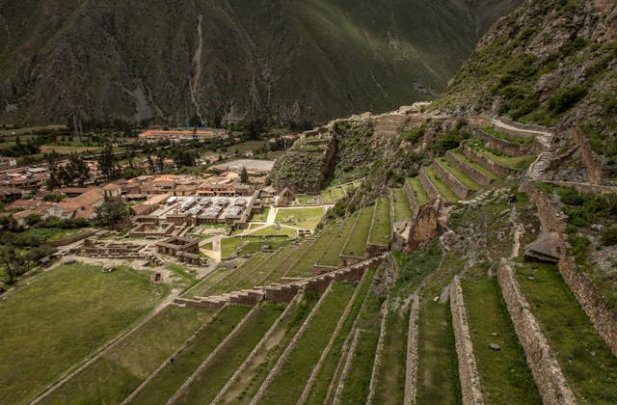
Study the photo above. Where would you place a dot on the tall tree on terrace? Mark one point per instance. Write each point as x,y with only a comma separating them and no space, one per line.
54,180
106,162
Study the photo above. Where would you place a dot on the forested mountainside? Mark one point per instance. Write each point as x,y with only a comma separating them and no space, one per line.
553,63
211,60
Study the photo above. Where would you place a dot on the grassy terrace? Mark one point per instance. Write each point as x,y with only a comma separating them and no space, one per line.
589,366
391,374
208,384
402,209
62,315
306,218
172,376
462,177
250,244
303,266
276,231
330,256
521,140
327,197
418,190
381,229
115,375
256,370
445,191
288,385
284,266
438,381
504,374
319,390
515,162
309,199
356,245
465,160
357,384
222,279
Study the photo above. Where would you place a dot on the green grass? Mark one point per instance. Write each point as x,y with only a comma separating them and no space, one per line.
319,391
462,177
112,377
520,140
172,376
381,230
414,267
288,385
391,374
263,217
445,191
331,256
589,366
306,218
285,267
303,267
338,193
462,158
276,231
248,244
208,384
50,234
182,275
438,381
357,384
327,197
356,246
514,162
308,199
504,374
418,190
59,317
402,209
248,382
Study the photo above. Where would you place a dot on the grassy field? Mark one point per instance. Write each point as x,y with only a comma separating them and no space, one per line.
51,323
172,376
391,374
263,217
445,191
208,384
50,234
356,246
418,190
462,177
381,230
305,218
504,374
288,385
331,256
115,375
521,140
357,384
589,366
285,267
309,199
247,244
402,209
276,231
438,381
319,390
514,162
462,158
304,266
256,370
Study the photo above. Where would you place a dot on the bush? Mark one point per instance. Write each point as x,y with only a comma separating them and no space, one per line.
609,236
566,98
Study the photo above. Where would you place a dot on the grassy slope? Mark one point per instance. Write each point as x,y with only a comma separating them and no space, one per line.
445,191
458,155
112,377
289,383
356,245
402,210
172,376
466,180
504,374
304,266
589,366
330,256
205,388
62,315
418,190
382,228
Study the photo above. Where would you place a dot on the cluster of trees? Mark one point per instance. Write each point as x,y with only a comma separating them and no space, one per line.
22,148
113,214
17,262
75,171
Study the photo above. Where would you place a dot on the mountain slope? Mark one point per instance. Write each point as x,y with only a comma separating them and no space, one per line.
203,59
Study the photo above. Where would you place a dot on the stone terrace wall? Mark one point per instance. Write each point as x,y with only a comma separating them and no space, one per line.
493,166
70,240
411,375
455,184
413,203
603,318
428,185
468,371
470,171
506,147
541,360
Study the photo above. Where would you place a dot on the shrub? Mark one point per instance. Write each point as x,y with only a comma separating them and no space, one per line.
609,236
566,98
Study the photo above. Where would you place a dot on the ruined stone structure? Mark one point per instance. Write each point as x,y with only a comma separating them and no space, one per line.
113,250
425,225
506,147
492,165
411,374
186,250
540,357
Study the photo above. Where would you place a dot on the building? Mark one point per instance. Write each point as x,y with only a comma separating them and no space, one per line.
184,249
155,135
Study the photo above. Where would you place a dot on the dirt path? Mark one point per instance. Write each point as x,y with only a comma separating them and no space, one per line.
106,347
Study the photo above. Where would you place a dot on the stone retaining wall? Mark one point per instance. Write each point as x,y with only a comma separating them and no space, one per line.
524,127
595,171
411,375
413,203
603,318
461,190
70,240
540,357
475,174
471,388
428,185
491,165
505,147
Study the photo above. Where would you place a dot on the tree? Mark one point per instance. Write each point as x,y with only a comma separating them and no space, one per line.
112,213
244,175
12,262
106,162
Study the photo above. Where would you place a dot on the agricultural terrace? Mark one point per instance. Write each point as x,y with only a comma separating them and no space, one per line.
242,245
418,190
113,376
68,313
304,218
381,228
402,209
356,245
331,255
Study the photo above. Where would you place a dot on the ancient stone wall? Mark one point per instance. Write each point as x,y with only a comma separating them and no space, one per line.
425,225
413,203
593,165
455,184
70,240
493,166
506,147
541,360
475,174
428,185
603,318
411,375
471,388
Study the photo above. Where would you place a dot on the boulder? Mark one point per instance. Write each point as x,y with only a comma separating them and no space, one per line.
545,249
